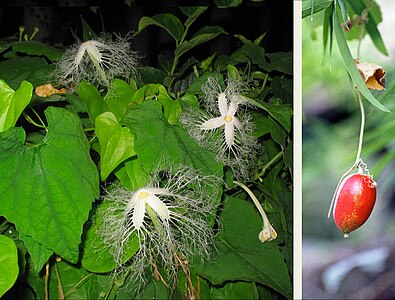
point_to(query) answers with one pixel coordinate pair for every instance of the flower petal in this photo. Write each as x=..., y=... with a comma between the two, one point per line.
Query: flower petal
x=229, y=134
x=93, y=51
x=157, y=191
x=232, y=109
x=237, y=123
x=80, y=54
x=158, y=206
x=139, y=210
x=222, y=104
x=212, y=123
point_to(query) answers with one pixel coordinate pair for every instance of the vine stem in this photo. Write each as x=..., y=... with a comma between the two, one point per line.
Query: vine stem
x=269, y=164
x=358, y=157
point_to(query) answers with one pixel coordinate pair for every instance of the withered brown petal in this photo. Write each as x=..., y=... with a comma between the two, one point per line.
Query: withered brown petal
x=373, y=75
x=47, y=90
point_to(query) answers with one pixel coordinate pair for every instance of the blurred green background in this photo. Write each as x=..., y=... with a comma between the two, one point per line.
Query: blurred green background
x=331, y=124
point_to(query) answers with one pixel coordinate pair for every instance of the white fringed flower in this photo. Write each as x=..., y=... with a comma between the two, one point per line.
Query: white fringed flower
x=223, y=127
x=172, y=222
x=97, y=61
x=227, y=120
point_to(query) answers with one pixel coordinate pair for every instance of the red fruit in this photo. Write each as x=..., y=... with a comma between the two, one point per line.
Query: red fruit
x=354, y=202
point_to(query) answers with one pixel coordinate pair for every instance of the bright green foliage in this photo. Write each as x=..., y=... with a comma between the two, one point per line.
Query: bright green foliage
x=157, y=141
x=116, y=143
x=119, y=97
x=8, y=264
x=48, y=188
x=12, y=103
x=89, y=94
x=39, y=254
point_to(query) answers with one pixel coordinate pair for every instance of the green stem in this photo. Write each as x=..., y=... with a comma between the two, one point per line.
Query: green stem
x=269, y=164
x=30, y=120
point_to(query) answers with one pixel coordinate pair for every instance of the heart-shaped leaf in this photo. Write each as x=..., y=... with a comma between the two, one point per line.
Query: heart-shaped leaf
x=47, y=189
x=116, y=143
x=12, y=103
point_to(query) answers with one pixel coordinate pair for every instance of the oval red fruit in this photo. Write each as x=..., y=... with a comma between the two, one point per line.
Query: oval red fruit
x=354, y=202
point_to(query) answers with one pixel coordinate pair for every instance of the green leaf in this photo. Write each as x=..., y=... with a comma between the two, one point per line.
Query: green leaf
x=37, y=48
x=87, y=31
x=310, y=7
x=193, y=12
x=171, y=108
x=168, y=22
x=69, y=281
x=8, y=264
x=89, y=94
x=39, y=255
x=158, y=141
x=47, y=189
x=227, y=3
x=327, y=33
x=233, y=73
x=119, y=97
x=350, y=65
x=196, y=86
x=33, y=69
x=116, y=143
x=281, y=61
x=132, y=175
x=282, y=113
x=278, y=133
x=205, y=34
x=96, y=257
x=241, y=256
x=282, y=87
x=371, y=26
x=151, y=75
x=12, y=103
x=236, y=290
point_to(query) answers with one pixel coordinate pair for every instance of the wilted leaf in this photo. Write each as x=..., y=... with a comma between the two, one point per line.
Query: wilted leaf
x=46, y=90
x=373, y=75
x=350, y=65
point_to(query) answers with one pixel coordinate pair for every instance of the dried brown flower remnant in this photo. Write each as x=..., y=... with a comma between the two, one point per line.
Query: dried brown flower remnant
x=46, y=90
x=373, y=75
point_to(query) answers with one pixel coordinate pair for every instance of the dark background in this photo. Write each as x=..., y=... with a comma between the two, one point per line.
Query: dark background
x=60, y=25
